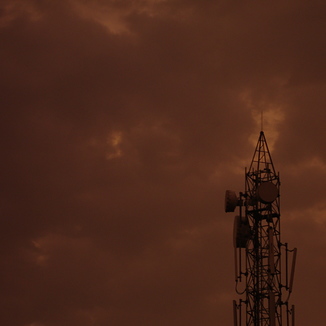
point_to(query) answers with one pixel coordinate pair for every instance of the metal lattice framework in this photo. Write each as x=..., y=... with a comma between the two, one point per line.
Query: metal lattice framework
x=264, y=263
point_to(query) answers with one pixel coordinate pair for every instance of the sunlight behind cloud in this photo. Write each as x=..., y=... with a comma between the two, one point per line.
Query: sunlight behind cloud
x=46, y=248
x=105, y=15
x=267, y=117
x=112, y=14
x=114, y=142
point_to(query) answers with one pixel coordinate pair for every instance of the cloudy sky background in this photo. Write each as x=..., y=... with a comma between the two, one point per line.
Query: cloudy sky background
x=122, y=125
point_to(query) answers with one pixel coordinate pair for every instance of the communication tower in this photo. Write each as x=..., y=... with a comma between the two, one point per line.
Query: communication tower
x=262, y=261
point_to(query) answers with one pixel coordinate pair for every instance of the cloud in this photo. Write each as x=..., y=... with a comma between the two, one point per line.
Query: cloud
x=123, y=123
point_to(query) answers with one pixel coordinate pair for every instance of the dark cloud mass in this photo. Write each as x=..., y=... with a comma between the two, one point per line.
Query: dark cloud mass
x=122, y=124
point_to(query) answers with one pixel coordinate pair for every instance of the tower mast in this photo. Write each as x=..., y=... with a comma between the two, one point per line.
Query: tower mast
x=261, y=259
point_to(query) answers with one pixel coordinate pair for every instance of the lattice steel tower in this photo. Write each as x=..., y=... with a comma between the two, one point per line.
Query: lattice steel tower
x=261, y=259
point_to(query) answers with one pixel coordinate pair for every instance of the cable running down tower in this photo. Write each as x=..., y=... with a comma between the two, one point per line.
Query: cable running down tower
x=261, y=259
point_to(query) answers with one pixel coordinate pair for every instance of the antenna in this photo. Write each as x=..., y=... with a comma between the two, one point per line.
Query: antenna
x=257, y=240
x=292, y=271
x=262, y=120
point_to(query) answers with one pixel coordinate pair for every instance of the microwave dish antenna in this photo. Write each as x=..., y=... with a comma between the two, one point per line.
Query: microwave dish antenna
x=267, y=192
x=231, y=201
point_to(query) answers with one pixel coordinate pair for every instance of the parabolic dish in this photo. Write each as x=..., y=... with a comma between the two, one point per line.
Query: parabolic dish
x=231, y=201
x=267, y=192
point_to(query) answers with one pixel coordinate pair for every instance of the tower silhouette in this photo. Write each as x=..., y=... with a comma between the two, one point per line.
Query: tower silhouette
x=261, y=259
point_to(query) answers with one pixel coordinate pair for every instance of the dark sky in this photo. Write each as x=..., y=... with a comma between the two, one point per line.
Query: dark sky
x=122, y=125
